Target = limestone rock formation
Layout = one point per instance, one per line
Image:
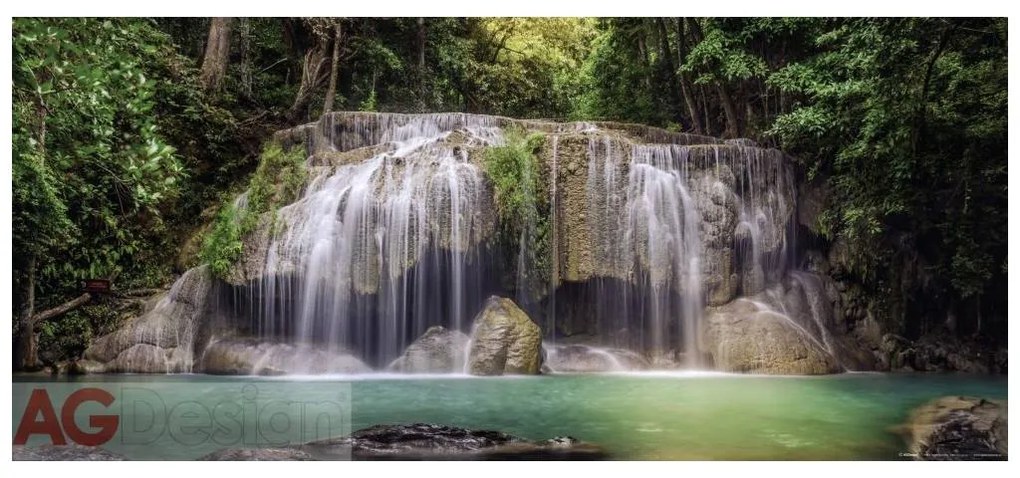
(164, 338)
(958, 428)
(747, 336)
(584, 358)
(253, 357)
(504, 340)
(438, 350)
(939, 352)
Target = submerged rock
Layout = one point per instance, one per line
(746, 336)
(439, 442)
(958, 428)
(63, 453)
(253, 357)
(504, 340)
(438, 350)
(584, 358)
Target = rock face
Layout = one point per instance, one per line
(63, 453)
(504, 341)
(252, 357)
(164, 338)
(438, 442)
(584, 358)
(439, 350)
(958, 428)
(938, 353)
(747, 336)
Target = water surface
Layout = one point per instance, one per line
(702, 416)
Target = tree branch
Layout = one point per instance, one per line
(60, 309)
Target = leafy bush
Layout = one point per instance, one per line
(523, 209)
(276, 182)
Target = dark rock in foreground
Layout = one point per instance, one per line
(958, 428)
(63, 453)
(258, 454)
(422, 441)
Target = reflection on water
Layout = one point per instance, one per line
(634, 416)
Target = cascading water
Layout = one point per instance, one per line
(375, 252)
(661, 225)
(394, 232)
(661, 247)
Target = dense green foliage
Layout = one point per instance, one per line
(908, 120)
(69, 337)
(521, 204)
(904, 119)
(513, 170)
(91, 164)
(121, 152)
(276, 182)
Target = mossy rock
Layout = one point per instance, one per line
(504, 341)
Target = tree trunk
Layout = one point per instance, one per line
(217, 54)
(705, 110)
(334, 68)
(420, 103)
(732, 121)
(25, 350)
(28, 339)
(313, 74)
(646, 62)
(245, 66)
(685, 86)
(666, 57)
(421, 44)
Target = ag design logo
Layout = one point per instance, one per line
(39, 403)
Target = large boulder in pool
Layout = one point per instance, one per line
(504, 340)
(254, 357)
(747, 336)
(958, 428)
(438, 350)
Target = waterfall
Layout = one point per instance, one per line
(554, 174)
(649, 213)
(393, 234)
(375, 252)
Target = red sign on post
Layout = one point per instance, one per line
(97, 286)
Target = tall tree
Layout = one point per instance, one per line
(217, 54)
(685, 85)
(334, 67)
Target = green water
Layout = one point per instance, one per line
(634, 416)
